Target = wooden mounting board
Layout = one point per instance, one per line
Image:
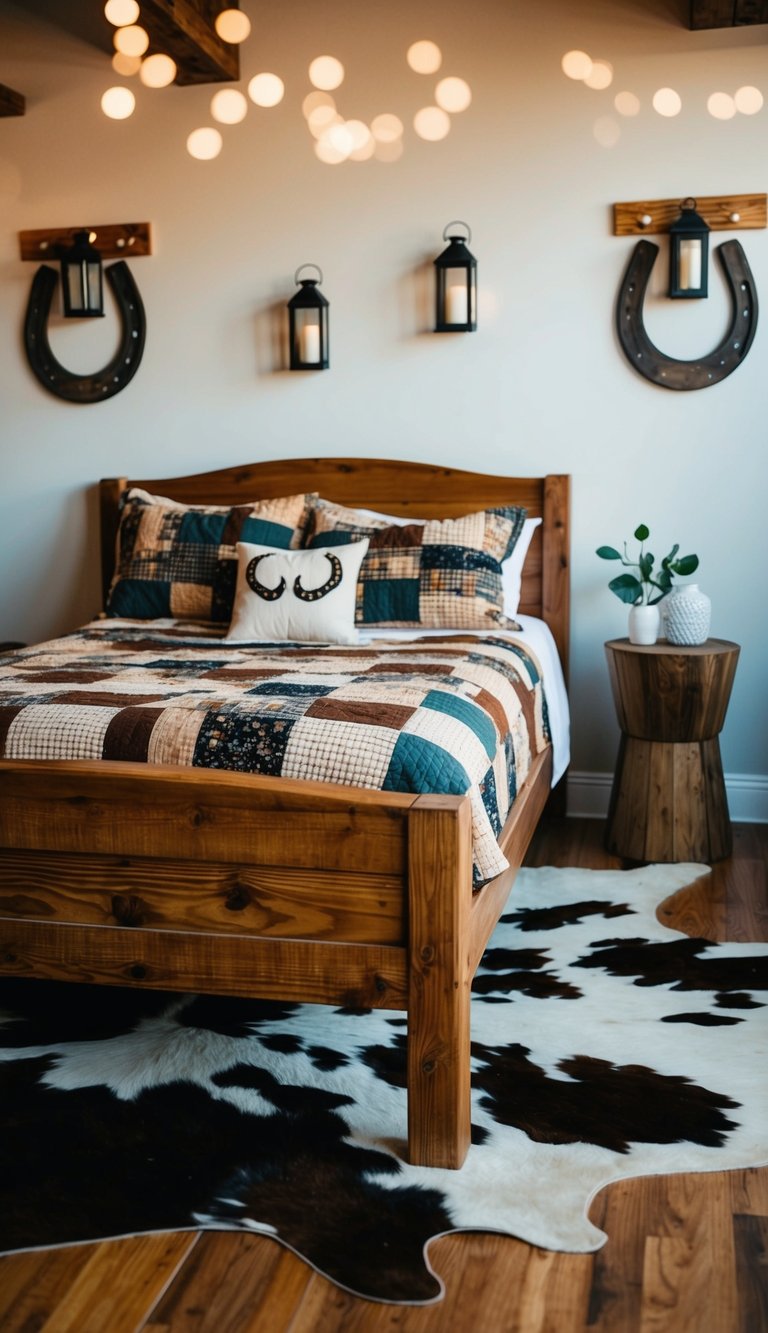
(715, 209)
(114, 240)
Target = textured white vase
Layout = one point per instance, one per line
(687, 613)
(644, 622)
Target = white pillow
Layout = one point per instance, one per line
(511, 569)
(296, 596)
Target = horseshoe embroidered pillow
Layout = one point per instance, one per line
(296, 596)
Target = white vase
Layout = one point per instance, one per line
(687, 613)
(644, 623)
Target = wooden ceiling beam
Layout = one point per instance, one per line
(727, 13)
(184, 30)
(11, 103)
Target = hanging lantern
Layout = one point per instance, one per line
(688, 253)
(308, 323)
(81, 278)
(456, 291)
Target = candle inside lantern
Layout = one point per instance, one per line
(690, 264)
(456, 305)
(309, 344)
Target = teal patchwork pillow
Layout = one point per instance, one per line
(441, 574)
(180, 561)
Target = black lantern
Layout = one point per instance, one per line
(308, 320)
(456, 291)
(688, 253)
(81, 280)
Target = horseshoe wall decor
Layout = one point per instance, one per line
(668, 371)
(118, 372)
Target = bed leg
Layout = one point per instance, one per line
(440, 896)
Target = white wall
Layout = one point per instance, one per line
(542, 386)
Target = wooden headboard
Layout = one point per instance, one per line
(422, 490)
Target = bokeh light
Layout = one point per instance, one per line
(424, 57)
(600, 76)
(228, 106)
(313, 100)
(721, 106)
(432, 123)
(132, 41)
(387, 128)
(627, 104)
(328, 152)
(366, 149)
(204, 144)
(453, 94)
(666, 102)
(126, 66)
(118, 103)
(266, 89)
(326, 72)
(576, 64)
(322, 118)
(748, 100)
(121, 12)
(157, 71)
(233, 25)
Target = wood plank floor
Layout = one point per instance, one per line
(686, 1254)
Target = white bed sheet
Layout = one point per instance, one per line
(538, 636)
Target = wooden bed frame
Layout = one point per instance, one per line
(237, 884)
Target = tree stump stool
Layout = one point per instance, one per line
(668, 800)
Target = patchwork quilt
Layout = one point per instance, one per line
(450, 714)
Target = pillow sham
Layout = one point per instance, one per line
(511, 568)
(441, 574)
(299, 596)
(180, 560)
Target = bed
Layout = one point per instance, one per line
(292, 889)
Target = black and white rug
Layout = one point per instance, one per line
(604, 1046)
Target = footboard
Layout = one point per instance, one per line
(235, 884)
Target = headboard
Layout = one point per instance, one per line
(422, 490)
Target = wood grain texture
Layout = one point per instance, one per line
(439, 976)
(668, 799)
(715, 209)
(11, 102)
(300, 971)
(184, 30)
(202, 896)
(727, 13)
(120, 240)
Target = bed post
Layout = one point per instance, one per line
(110, 490)
(439, 980)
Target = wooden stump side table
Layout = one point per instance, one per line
(668, 800)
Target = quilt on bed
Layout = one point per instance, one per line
(453, 714)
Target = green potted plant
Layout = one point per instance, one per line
(644, 589)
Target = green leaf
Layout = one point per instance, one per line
(627, 587)
(642, 533)
(664, 580)
(646, 565)
(669, 558)
(608, 553)
(686, 564)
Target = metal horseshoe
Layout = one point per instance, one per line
(118, 372)
(316, 593)
(261, 589)
(667, 371)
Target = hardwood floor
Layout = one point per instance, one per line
(686, 1254)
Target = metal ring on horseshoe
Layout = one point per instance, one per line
(667, 371)
(118, 372)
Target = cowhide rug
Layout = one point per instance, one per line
(605, 1046)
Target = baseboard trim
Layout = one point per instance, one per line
(589, 793)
